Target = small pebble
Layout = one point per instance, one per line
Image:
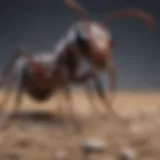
(60, 155)
(127, 154)
(93, 145)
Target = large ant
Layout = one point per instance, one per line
(88, 39)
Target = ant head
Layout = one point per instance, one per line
(96, 40)
(91, 34)
(94, 34)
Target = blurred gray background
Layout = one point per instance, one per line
(40, 23)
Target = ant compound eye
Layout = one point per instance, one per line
(80, 40)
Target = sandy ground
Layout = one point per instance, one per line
(28, 140)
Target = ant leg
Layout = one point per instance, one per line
(72, 111)
(61, 111)
(5, 99)
(112, 80)
(85, 79)
(90, 97)
(112, 87)
(5, 77)
(7, 94)
(6, 119)
(7, 71)
(3, 104)
(108, 105)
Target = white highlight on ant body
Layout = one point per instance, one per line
(46, 59)
(99, 36)
(43, 58)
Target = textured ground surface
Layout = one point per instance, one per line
(42, 139)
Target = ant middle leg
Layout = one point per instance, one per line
(107, 103)
(72, 117)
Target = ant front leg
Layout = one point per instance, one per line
(112, 87)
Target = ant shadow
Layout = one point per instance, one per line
(46, 119)
(37, 118)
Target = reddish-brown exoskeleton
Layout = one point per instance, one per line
(88, 39)
(40, 77)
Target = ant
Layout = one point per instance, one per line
(87, 39)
